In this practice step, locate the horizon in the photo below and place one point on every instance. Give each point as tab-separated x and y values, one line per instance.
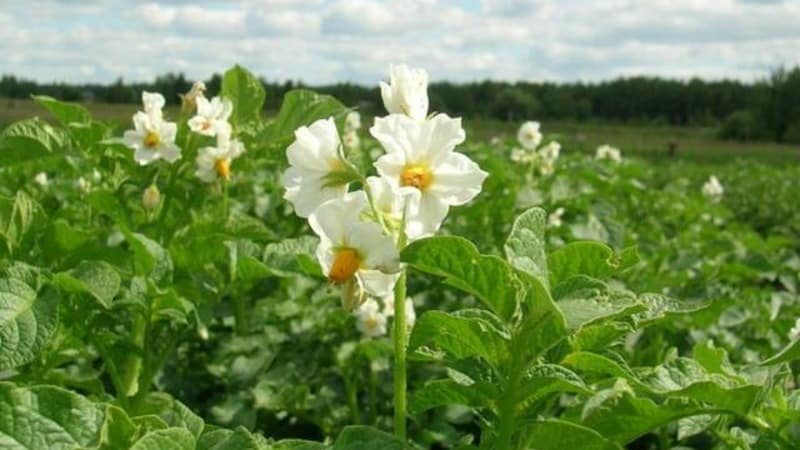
354	41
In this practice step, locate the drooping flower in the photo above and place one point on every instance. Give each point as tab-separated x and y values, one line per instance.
554	218
189	100
713	188
152	138
608	152
314	161
41	179
410	313
370	321
151	197
212	116
351	250
352	122
420	155
407	92
214	163
529	135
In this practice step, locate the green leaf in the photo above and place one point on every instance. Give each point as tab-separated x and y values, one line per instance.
361	438
105	202
592	259
65	112
18	217
47	418
238	439
150	258
26	321
525	246
462	334
96	278
542	380
555	434
300	107
585	301
293	256
167	439
172	412
297	444
488	278
118	430
246	93
787	354
450	392
30	140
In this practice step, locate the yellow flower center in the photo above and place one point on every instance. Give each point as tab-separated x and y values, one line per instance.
223	168
152	139
345	265
416	175
371	322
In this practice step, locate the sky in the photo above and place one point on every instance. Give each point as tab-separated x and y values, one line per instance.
326	41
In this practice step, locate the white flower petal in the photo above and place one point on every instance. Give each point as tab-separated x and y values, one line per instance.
458	179
332	219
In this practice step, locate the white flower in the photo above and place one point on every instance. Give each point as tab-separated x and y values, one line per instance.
41	179
350	140
212	116
420	155
794	333
551	151
83	185
190	98
370	321
407	92
313	157
554	219
608	152
152	138
713	188
352	250
352	121
215	162
388	309
529	135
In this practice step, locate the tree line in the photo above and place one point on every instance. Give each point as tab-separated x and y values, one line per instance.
768	109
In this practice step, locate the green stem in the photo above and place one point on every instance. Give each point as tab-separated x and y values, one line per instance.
132	366
224	200
507	416
352	400
373	396
400	342
241	324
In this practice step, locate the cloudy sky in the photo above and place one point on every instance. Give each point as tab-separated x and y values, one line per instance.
322	41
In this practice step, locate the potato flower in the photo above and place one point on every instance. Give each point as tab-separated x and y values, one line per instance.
608	152
214	163
529	136
713	188
352	251
554	218
407	92
152	138
420	155
352	121
41	179
212	116
314	165
370	321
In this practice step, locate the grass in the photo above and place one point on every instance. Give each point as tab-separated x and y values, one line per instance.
650	142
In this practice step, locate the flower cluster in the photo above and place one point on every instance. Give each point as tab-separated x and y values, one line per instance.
419	177
371	319
153	138
608	152
713	188
543	159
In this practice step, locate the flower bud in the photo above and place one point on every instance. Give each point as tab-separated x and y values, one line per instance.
151	197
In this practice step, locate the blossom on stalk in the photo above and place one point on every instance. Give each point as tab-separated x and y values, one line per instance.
314	165
352	121
420	155
151	197
554	218
407	92
713	188
212	116
214	163
529	136
794	333
370	321
354	253
152	138
608	152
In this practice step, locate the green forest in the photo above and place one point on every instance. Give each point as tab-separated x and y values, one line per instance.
765	110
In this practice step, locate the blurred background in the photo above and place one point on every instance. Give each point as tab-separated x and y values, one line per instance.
705	78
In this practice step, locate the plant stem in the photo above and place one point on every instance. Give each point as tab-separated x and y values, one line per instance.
400	342
241	324
507	416
224	200
132	367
